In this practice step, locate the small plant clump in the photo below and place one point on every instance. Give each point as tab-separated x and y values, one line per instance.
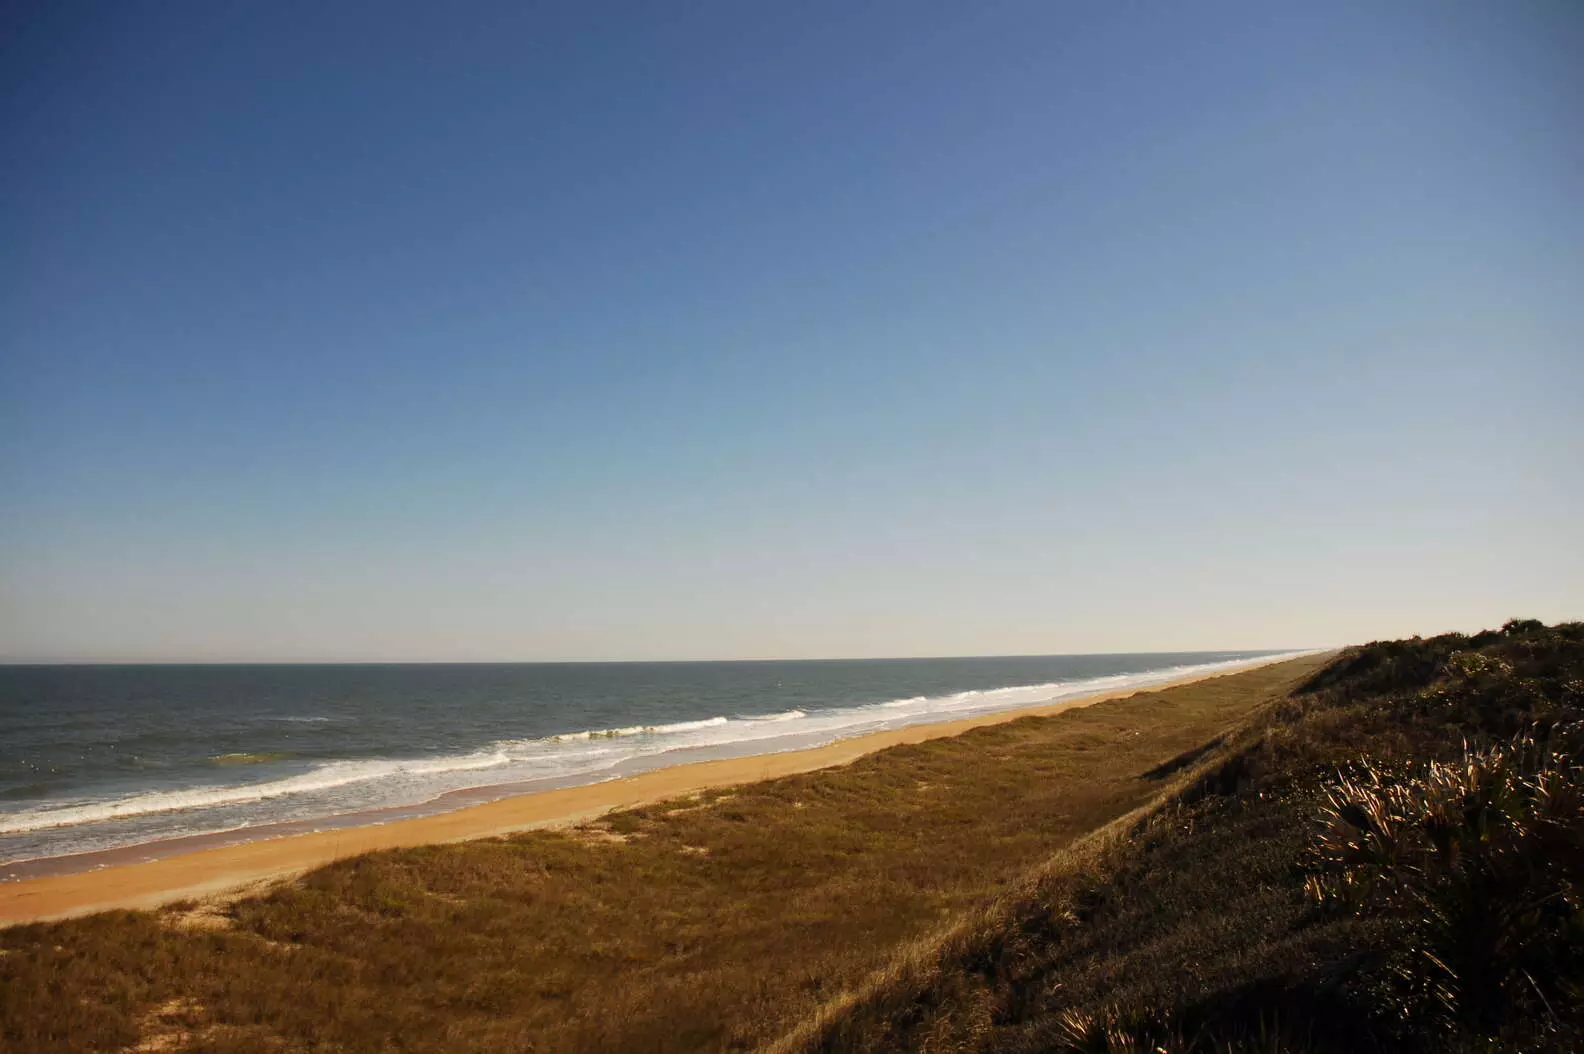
1482	860
1079	1032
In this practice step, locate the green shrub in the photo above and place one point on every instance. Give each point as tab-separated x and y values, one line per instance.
1482	861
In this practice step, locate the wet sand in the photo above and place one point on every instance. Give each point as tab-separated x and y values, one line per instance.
126	879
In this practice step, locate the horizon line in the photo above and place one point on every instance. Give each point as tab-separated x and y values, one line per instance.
620	662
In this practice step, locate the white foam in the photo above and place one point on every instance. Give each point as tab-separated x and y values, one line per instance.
636	730
326	777
687	726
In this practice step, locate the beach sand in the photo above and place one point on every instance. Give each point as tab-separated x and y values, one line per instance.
234	869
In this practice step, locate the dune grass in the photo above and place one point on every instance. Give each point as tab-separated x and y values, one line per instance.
711	923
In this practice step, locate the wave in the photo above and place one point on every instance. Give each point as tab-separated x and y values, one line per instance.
258	757
578	755
327	777
638	730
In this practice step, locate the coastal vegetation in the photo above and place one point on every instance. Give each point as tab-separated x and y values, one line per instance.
1377	850
1392	858
718	922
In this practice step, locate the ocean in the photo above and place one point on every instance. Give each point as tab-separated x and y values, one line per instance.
97	758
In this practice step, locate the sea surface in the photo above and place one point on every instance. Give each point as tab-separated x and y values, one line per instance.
101	757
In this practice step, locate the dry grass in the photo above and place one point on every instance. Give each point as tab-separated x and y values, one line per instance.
707	924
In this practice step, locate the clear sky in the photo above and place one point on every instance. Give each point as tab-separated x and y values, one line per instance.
664	330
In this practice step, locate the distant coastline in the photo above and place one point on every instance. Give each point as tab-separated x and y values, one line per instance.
168	758
147	875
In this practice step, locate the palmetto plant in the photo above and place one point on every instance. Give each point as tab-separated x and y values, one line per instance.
1483	860
1078	1032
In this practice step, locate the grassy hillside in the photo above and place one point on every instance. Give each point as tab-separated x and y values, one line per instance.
706	924
1390	859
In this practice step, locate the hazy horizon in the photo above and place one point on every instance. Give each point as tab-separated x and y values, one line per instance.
635	662
634	332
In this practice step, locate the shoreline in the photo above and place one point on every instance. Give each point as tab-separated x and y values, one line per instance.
127	879
158	845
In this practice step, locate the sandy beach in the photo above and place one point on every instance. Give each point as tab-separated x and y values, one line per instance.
128	881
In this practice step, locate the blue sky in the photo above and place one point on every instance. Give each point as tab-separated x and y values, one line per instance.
538	331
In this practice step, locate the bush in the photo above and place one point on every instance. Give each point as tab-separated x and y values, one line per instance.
1482	861
1114	1033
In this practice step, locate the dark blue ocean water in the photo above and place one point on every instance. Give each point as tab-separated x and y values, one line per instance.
96	757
